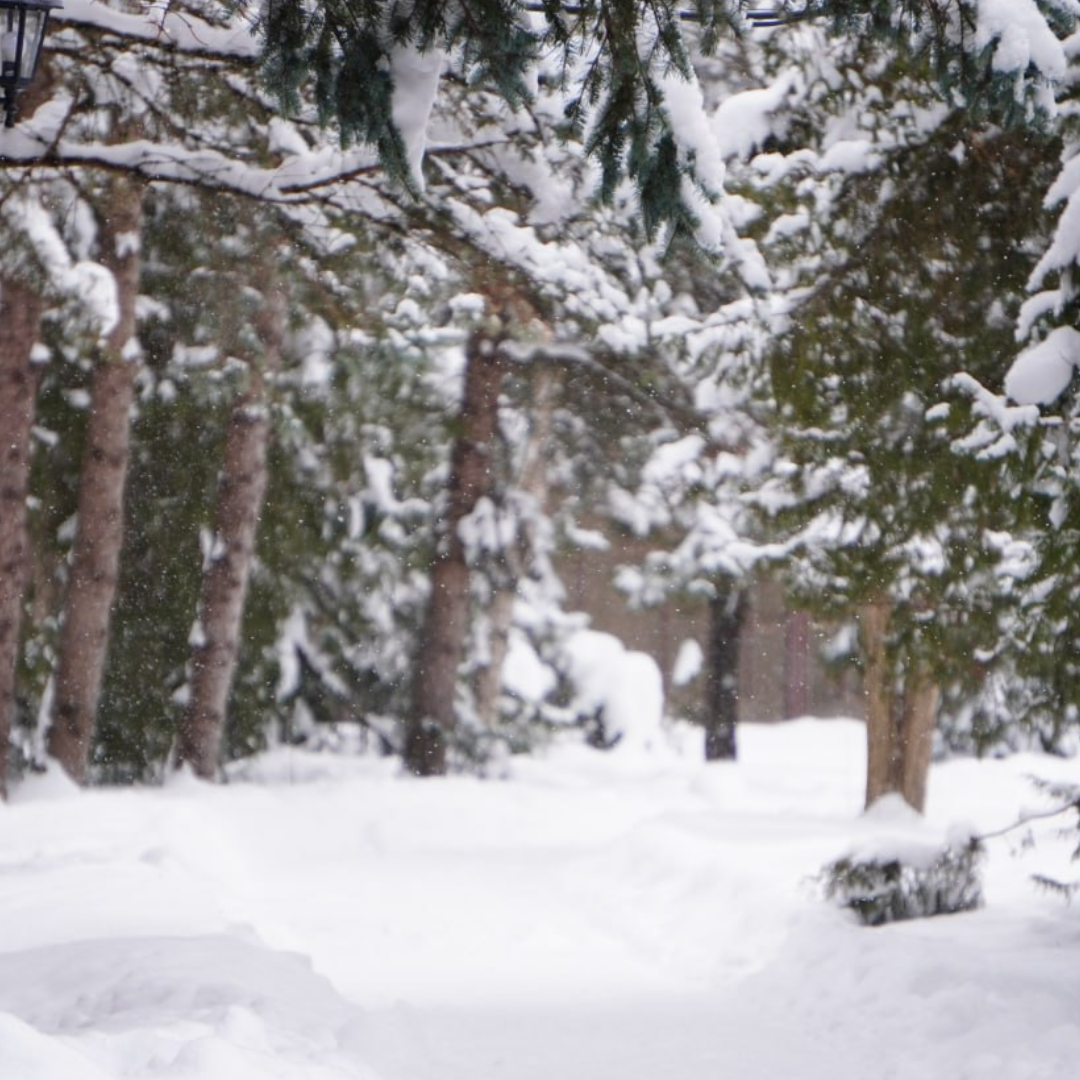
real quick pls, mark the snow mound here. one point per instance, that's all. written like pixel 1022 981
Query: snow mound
pixel 205 1006
pixel 623 687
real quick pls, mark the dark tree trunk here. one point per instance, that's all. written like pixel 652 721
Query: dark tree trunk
pixel 20 318
pixel 225 580
pixel 446 619
pixel 99 531
pixel 901 714
pixel 796 665
pixel 727 613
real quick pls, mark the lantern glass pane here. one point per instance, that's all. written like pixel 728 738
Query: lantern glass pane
pixel 22 28
pixel 35 28
pixel 9 41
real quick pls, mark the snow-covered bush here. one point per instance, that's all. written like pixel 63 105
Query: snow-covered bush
pixel 908 875
pixel 881 891
pixel 902 868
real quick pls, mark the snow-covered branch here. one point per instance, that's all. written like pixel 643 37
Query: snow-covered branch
pixel 170 27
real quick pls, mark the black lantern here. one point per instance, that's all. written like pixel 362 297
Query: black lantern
pixel 22 30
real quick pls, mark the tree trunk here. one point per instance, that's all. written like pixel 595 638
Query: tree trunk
pixel 921 697
pixel 900 717
pixel 882 744
pixel 532 482
pixel 442 634
pixel 796 665
pixel 20 318
pixel 99 531
pixel 727 613
pixel 241 489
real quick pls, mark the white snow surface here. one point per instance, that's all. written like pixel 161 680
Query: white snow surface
pixel 594 916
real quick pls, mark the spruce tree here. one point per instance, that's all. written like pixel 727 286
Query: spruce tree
pixel 915 272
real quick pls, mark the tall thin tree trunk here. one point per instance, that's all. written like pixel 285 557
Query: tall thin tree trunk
pixel 532 481
pixel 727 613
pixel 442 634
pixel 882 744
pixel 99 531
pixel 900 716
pixel 240 494
pixel 796 665
pixel 20 319
pixel 921 697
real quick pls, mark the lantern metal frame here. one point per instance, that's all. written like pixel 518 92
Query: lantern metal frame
pixel 22 30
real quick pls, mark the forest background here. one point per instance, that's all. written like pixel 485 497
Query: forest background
pixel 326 329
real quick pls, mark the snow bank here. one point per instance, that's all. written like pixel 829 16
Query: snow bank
pixel 596 916
pixel 212 1005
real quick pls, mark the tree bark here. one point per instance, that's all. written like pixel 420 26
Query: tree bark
pixel 241 489
pixel 882 744
pixel 446 619
pixel 900 716
pixel 727 613
pixel 99 532
pixel 921 697
pixel 20 319
pixel 796 665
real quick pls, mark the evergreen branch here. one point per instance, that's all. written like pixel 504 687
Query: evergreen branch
pixel 115 25
pixel 439 233
pixel 1027 819
pixel 580 9
pixel 153 106
pixel 1065 889
pixel 158 163
pixel 320 183
pixel 606 366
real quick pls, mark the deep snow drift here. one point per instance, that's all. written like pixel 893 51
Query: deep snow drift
pixel 628 915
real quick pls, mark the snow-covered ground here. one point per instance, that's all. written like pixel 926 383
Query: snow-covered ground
pixel 631 915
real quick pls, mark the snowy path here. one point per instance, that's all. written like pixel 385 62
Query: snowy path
pixel 591 919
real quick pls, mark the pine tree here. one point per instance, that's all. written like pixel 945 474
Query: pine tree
pixel 1025 425
pixel 916 251
pixel 238 507
pixel 440 647
pixel 95 563
pixel 46 275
